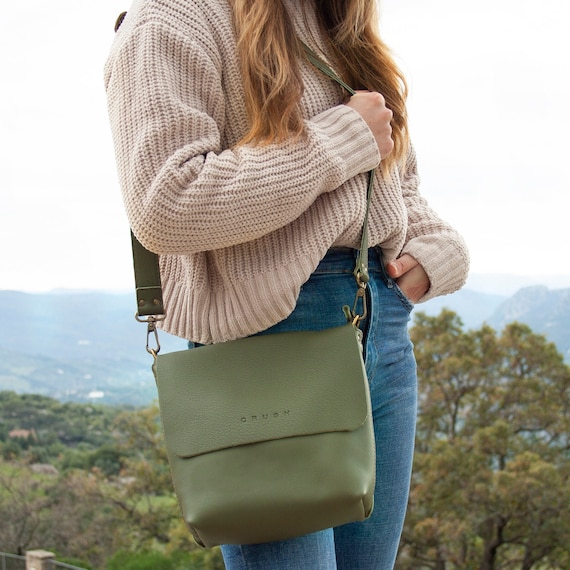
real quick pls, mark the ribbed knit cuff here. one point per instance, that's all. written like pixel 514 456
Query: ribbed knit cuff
pixel 439 258
pixel 349 139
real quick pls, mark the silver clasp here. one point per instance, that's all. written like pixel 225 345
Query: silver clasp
pixel 360 296
pixel 151 331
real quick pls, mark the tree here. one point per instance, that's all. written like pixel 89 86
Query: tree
pixel 491 486
pixel 68 514
pixel 54 428
pixel 145 496
pixel 83 524
pixel 117 497
pixel 24 500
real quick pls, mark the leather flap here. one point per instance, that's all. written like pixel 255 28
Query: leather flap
pixel 210 399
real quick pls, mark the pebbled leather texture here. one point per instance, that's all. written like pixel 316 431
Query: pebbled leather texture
pixel 269 437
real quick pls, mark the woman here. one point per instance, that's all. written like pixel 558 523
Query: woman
pixel 245 169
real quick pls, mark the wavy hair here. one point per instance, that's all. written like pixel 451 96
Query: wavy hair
pixel 269 55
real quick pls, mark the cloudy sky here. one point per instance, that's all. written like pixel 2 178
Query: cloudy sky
pixel 490 85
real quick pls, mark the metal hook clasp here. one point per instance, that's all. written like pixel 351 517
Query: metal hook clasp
pixel 360 295
pixel 151 331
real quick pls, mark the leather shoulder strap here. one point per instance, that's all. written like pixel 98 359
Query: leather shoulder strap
pixel 147 280
pixel 361 270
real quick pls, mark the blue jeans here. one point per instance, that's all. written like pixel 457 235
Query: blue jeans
pixel 391 368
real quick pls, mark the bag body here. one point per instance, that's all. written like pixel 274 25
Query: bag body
pixel 269 437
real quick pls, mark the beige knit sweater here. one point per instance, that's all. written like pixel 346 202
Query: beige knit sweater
pixel 239 230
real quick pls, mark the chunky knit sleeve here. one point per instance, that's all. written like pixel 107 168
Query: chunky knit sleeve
pixel 185 188
pixel 438 247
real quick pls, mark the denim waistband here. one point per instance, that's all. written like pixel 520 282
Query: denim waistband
pixel 343 259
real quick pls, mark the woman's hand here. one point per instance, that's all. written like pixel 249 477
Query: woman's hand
pixel 410 277
pixel 372 108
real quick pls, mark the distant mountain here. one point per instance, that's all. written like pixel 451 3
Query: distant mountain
pixel 77 346
pixel 545 311
pixel 507 285
pixel 473 307
pixel 87 346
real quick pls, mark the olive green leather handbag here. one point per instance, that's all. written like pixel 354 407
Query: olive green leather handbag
pixel 268 437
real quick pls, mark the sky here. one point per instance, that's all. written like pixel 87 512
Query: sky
pixel 489 117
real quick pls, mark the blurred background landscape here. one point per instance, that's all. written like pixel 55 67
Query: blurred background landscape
pixel 87 346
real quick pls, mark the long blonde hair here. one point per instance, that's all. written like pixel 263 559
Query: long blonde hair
pixel 269 53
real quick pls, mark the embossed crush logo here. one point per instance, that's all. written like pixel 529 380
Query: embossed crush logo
pixel 265 416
